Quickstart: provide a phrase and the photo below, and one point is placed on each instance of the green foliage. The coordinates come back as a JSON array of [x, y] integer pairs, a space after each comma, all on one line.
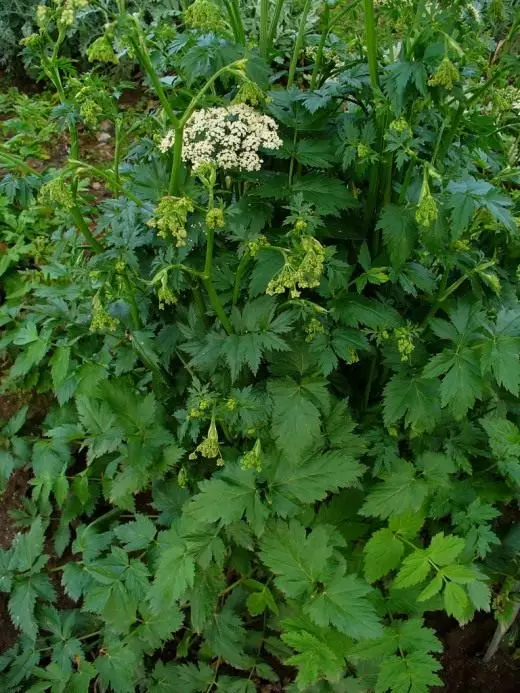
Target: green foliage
[[270, 442]]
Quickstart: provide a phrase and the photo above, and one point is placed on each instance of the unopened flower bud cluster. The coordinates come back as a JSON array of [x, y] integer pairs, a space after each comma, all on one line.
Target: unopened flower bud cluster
[[446, 74], [56, 192], [230, 138], [101, 321], [204, 15], [302, 270], [170, 218]]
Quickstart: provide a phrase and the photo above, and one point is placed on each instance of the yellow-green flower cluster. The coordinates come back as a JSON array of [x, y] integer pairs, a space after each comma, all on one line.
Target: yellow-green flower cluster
[[445, 75], [363, 150], [204, 15], [170, 218], [427, 210], [101, 321], [215, 218], [165, 294], [253, 458], [351, 356], [256, 245], [404, 337], [102, 51], [42, 15], [56, 192], [209, 447], [400, 125], [302, 270], [91, 112], [69, 9], [249, 93], [313, 328]]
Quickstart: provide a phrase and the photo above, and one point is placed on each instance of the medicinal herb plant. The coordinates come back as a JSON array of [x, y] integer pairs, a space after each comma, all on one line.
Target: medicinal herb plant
[[276, 327]]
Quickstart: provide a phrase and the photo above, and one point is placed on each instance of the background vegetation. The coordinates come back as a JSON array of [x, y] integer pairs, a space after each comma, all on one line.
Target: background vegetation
[[260, 342]]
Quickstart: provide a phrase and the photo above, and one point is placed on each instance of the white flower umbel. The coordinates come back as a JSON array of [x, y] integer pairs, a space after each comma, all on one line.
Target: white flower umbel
[[229, 138]]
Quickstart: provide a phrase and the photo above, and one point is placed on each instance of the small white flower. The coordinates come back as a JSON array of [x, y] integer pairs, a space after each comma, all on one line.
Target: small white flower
[[229, 137]]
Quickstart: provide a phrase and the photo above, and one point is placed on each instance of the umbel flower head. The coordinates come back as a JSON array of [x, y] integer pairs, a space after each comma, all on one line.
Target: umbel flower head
[[427, 210], [102, 51], [446, 74], [302, 269], [170, 218], [209, 447], [204, 15], [230, 138], [56, 192]]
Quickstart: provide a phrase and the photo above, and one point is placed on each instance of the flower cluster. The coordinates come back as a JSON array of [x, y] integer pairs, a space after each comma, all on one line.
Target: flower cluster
[[165, 295], [230, 138], [250, 93], [404, 337], [427, 210], [313, 328], [215, 218], [102, 51], [170, 218], [255, 245], [91, 112], [209, 447], [253, 458], [302, 270], [204, 15], [42, 15], [69, 9], [101, 321], [446, 74], [56, 192], [400, 125]]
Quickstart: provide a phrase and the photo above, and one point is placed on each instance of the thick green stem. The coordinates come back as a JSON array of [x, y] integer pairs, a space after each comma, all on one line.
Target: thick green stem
[[291, 164], [321, 46], [117, 156], [370, 36], [207, 277], [139, 46], [198, 97], [298, 44], [235, 19], [134, 311], [174, 184], [274, 25], [242, 266], [264, 28], [85, 231], [14, 161]]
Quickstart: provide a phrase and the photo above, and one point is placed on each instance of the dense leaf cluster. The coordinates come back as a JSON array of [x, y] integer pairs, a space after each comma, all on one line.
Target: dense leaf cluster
[[284, 428]]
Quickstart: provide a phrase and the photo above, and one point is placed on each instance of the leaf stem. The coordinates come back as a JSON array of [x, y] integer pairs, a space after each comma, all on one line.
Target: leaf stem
[[298, 43]]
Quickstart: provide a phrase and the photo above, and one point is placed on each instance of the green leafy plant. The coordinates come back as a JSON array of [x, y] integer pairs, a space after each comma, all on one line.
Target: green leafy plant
[[280, 325]]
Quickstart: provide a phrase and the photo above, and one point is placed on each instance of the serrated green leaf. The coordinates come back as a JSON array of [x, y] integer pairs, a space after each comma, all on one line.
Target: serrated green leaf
[[383, 553], [399, 492], [413, 399], [116, 668], [399, 232], [444, 549], [412, 673], [343, 604], [296, 417], [456, 602], [137, 534], [414, 570], [297, 559]]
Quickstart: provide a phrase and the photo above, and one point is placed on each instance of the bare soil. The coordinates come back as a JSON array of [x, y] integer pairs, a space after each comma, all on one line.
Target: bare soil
[[464, 670]]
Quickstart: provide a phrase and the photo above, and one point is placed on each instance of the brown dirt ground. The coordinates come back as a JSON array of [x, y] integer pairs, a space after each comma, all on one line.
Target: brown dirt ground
[[464, 670]]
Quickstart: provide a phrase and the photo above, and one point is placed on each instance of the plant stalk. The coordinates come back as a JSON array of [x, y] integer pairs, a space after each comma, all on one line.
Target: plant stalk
[[298, 44]]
